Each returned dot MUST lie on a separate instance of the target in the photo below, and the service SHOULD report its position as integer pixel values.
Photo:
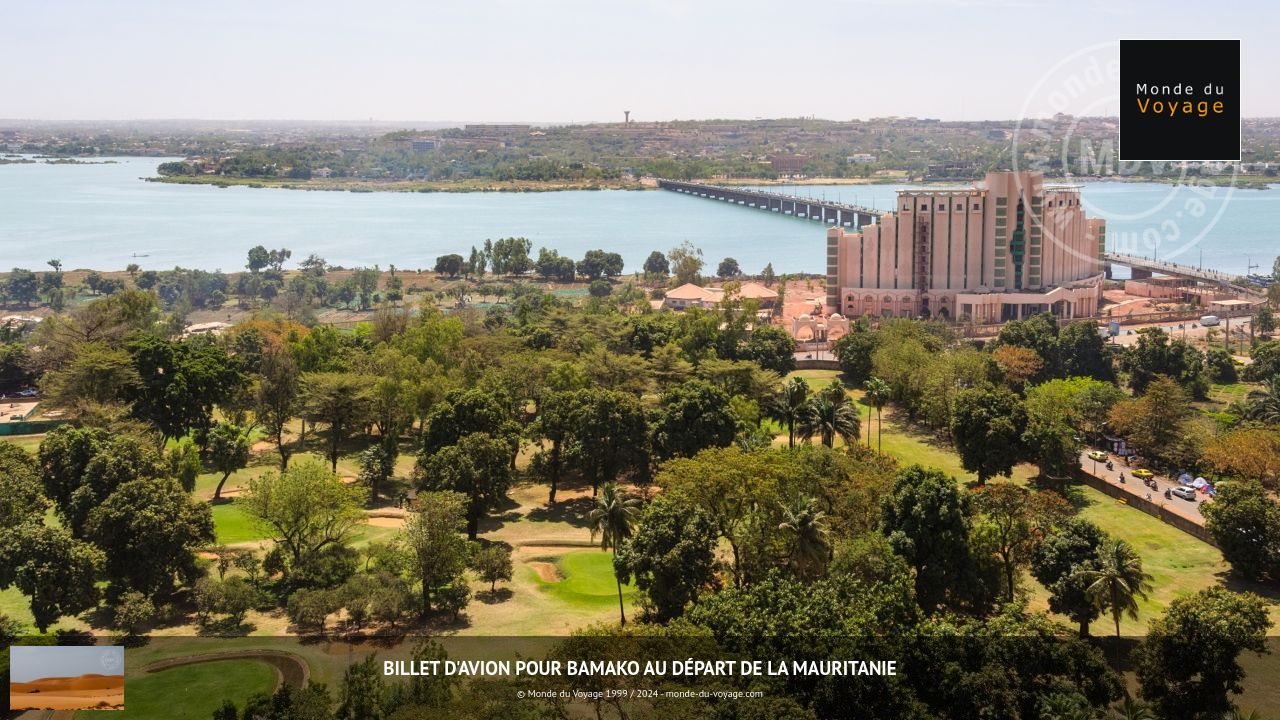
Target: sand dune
(68, 693)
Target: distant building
(788, 164)
(861, 159)
(1002, 249)
(690, 295)
(423, 144)
(497, 128)
(208, 328)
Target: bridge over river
(830, 213)
(1144, 267)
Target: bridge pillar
(1139, 273)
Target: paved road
(1133, 486)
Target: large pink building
(1005, 248)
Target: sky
(559, 61)
(32, 663)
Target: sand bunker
(548, 572)
(387, 522)
(68, 693)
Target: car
(1098, 455)
(1143, 473)
(1185, 492)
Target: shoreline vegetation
(1241, 182)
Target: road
(1133, 486)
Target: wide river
(104, 216)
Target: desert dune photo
(68, 693)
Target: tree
(132, 612)
(258, 258)
(656, 265)
(1118, 582)
(150, 531)
(598, 264)
(338, 400)
(1060, 561)
(493, 564)
(277, 398)
(693, 416)
(450, 265)
(612, 519)
(96, 373)
(363, 694)
(600, 289)
(854, 350)
(53, 569)
(23, 286)
(686, 263)
(790, 406)
(772, 348)
(768, 275)
(377, 464)
(1017, 364)
(877, 396)
(1245, 522)
(986, 427)
(82, 467)
(728, 269)
(182, 382)
(671, 556)
(478, 467)
(1155, 422)
(228, 446)
(439, 552)
(831, 416)
(1155, 355)
(1263, 403)
(461, 413)
(1189, 665)
(1084, 352)
(1016, 520)
(1038, 333)
(21, 495)
(1264, 320)
(1251, 453)
(927, 522)
(805, 525)
(307, 508)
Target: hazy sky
(32, 663)
(580, 60)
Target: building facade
(1003, 249)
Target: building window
(924, 207)
(977, 206)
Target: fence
(1151, 508)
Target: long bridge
(830, 213)
(1144, 267)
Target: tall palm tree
(829, 418)
(1118, 583)
(1263, 404)
(612, 518)
(806, 523)
(790, 407)
(877, 395)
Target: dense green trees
(1060, 562)
(1189, 665)
(478, 467)
(339, 400)
(1245, 521)
(181, 382)
(671, 556)
(54, 570)
(986, 426)
(439, 554)
(693, 416)
(307, 508)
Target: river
(103, 216)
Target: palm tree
(877, 395)
(1118, 583)
(613, 517)
(828, 418)
(806, 523)
(1133, 709)
(1263, 404)
(790, 407)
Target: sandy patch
(68, 693)
(386, 522)
(548, 572)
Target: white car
(1184, 492)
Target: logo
(1180, 100)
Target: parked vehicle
(1143, 473)
(1185, 493)
(1209, 320)
(1098, 455)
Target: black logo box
(1189, 65)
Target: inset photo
(81, 677)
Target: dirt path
(289, 668)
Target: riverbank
(403, 186)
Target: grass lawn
(30, 443)
(587, 579)
(192, 691)
(1178, 563)
(233, 526)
